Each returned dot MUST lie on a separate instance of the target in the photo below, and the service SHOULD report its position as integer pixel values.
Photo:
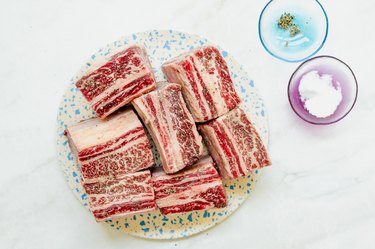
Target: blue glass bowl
(311, 19)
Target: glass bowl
(310, 18)
(340, 73)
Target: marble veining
(319, 193)
(161, 46)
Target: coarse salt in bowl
(343, 81)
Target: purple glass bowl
(340, 72)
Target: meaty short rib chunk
(197, 187)
(111, 84)
(234, 144)
(206, 83)
(171, 126)
(116, 197)
(111, 147)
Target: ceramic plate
(161, 46)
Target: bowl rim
(342, 116)
(287, 60)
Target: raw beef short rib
(115, 197)
(194, 188)
(114, 83)
(171, 126)
(234, 144)
(206, 83)
(111, 147)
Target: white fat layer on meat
(118, 84)
(213, 85)
(200, 88)
(171, 156)
(126, 147)
(143, 196)
(99, 63)
(216, 151)
(173, 73)
(196, 135)
(128, 199)
(149, 120)
(206, 162)
(220, 159)
(175, 154)
(140, 51)
(121, 149)
(212, 82)
(184, 55)
(191, 192)
(190, 195)
(228, 131)
(178, 58)
(95, 131)
(188, 179)
(236, 119)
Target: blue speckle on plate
(224, 53)
(206, 214)
(190, 217)
(161, 46)
(166, 45)
(242, 89)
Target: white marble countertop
(320, 193)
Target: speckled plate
(161, 46)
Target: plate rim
(71, 82)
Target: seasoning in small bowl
(322, 90)
(293, 30)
